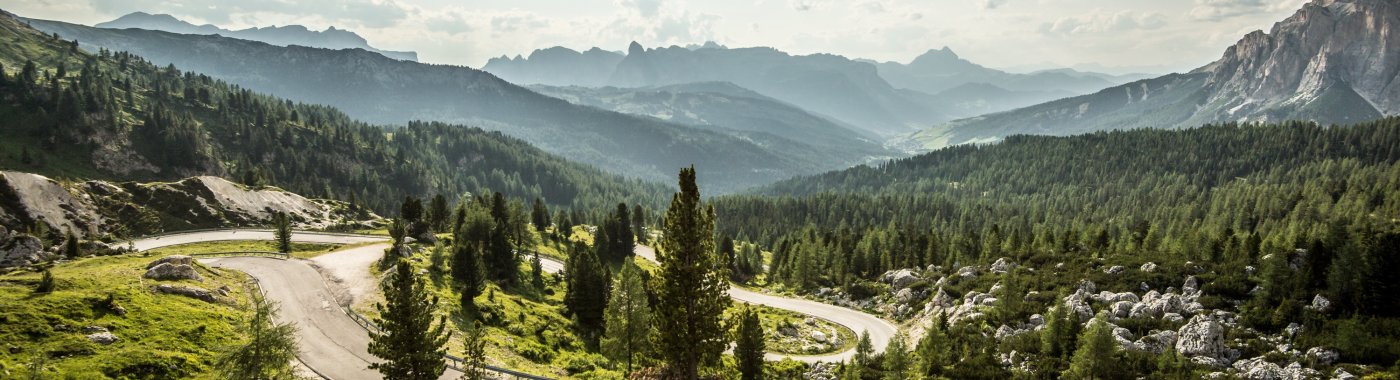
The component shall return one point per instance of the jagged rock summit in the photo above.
(1333, 59)
(1331, 62)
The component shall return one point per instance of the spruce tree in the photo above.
(639, 222)
(693, 284)
(628, 317)
(283, 230)
(70, 246)
(410, 343)
(539, 216)
(270, 350)
(438, 213)
(587, 295)
(466, 263)
(748, 345)
(623, 239)
(501, 261)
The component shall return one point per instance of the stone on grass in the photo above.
(169, 271)
(105, 337)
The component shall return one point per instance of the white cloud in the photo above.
(1099, 22)
(646, 8)
(990, 4)
(1216, 10)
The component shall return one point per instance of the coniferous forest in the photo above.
(310, 242)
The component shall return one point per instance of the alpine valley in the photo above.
(191, 191)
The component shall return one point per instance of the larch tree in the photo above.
(693, 284)
(269, 352)
(628, 330)
(410, 340)
(1095, 357)
(896, 363)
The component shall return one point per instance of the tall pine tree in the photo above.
(748, 345)
(693, 284)
(587, 295)
(408, 340)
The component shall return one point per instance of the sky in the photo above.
(1115, 36)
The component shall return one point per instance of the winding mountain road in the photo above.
(335, 346)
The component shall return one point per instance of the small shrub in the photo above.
(46, 283)
(863, 290)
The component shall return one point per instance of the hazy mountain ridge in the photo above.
(879, 98)
(287, 35)
(373, 88)
(1333, 61)
(847, 90)
(557, 66)
(725, 107)
(939, 70)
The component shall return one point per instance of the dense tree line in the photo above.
(97, 107)
(1313, 208)
(1217, 193)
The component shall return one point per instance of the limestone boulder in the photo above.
(192, 292)
(1203, 336)
(902, 278)
(104, 337)
(168, 271)
(172, 259)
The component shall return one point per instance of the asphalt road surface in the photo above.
(881, 331)
(335, 346)
(331, 343)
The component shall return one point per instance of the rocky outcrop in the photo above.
(18, 250)
(1335, 54)
(192, 292)
(172, 259)
(170, 271)
(1002, 265)
(38, 199)
(1203, 340)
(94, 208)
(901, 279)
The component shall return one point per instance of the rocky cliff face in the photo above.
(1330, 51)
(1332, 62)
(97, 209)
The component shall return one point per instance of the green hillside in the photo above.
(113, 115)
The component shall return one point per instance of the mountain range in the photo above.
(377, 89)
(939, 70)
(728, 108)
(879, 98)
(1333, 61)
(287, 35)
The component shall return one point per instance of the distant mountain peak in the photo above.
(331, 38)
(635, 48)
